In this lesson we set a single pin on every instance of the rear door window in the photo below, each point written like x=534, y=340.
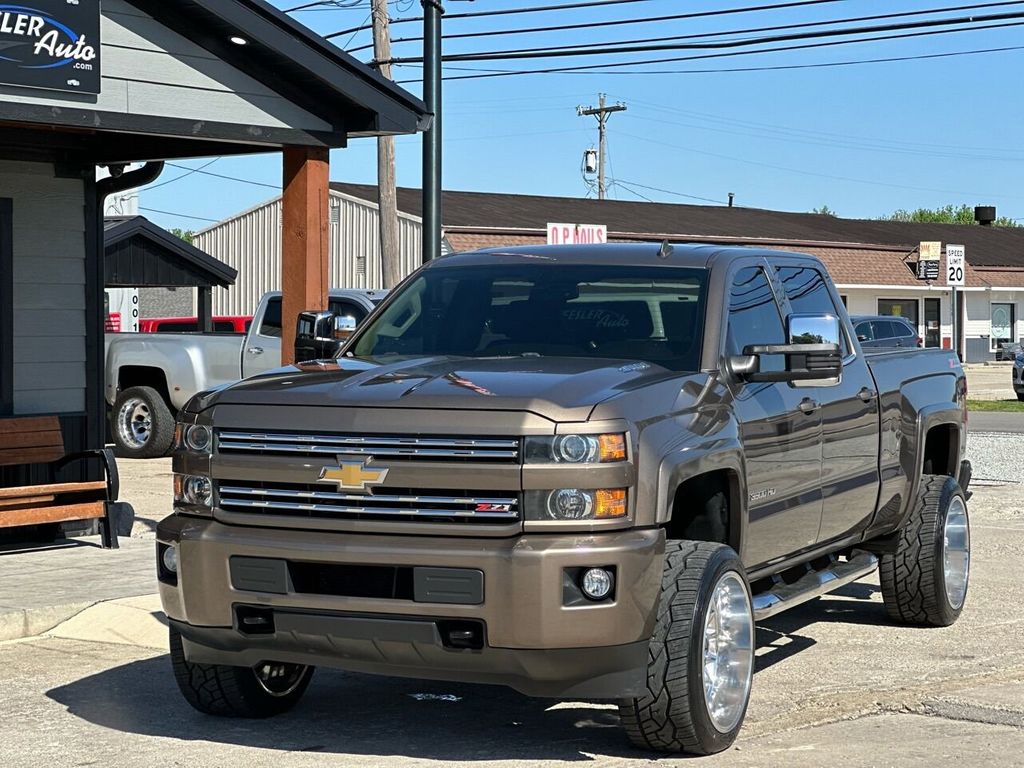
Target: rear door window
x=808, y=294
x=883, y=329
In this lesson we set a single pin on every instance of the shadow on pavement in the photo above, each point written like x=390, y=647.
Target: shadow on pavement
x=360, y=715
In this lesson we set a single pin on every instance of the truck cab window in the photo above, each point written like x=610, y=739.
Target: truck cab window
x=754, y=316
x=271, y=325
x=808, y=294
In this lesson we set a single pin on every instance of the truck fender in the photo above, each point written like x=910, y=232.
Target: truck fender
x=912, y=450
x=690, y=461
x=161, y=359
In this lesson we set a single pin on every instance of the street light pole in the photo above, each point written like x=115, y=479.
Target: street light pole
x=432, y=12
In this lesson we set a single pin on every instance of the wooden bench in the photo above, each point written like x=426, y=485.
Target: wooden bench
x=38, y=440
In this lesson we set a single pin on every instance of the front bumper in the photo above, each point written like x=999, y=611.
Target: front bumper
x=535, y=640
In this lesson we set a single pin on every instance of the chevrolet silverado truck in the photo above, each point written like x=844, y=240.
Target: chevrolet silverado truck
x=578, y=471
x=149, y=376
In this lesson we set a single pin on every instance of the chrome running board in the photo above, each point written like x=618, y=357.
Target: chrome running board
x=783, y=596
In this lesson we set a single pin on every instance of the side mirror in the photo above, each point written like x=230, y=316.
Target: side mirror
x=812, y=354
x=319, y=335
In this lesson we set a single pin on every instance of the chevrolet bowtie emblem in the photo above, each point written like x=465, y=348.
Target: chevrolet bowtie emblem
x=352, y=476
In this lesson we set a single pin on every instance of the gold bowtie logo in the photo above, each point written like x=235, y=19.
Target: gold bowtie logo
x=352, y=476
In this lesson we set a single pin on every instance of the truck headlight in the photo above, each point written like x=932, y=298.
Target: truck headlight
x=193, y=490
x=569, y=504
x=197, y=438
x=576, y=449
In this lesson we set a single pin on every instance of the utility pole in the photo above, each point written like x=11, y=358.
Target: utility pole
x=387, y=203
x=601, y=112
x=432, y=12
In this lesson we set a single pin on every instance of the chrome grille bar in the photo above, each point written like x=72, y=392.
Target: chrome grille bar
x=261, y=500
x=385, y=446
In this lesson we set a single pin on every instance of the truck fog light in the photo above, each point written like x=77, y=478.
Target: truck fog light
x=570, y=504
x=170, y=559
x=596, y=583
x=198, y=437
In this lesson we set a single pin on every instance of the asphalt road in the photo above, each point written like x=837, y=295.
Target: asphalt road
x=991, y=421
x=836, y=684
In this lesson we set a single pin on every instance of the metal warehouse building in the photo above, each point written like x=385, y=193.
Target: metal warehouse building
x=871, y=261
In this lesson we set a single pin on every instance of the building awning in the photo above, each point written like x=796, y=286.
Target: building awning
x=139, y=254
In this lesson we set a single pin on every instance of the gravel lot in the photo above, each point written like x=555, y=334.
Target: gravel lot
x=995, y=456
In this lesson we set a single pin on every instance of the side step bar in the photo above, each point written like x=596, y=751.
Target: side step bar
x=783, y=596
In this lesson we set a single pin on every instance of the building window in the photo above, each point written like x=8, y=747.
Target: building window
x=905, y=308
x=1002, y=325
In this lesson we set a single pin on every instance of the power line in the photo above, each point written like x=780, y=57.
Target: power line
x=628, y=184
x=178, y=215
x=182, y=176
x=535, y=9
x=759, y=163
x=675, y=17
x=592, y=68
x=607, y=49
x=227, y=178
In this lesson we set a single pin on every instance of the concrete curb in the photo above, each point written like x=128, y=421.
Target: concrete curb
x=137, y=621
x=29, y=622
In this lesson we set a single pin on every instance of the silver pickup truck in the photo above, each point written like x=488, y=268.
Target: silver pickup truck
x=151, y=375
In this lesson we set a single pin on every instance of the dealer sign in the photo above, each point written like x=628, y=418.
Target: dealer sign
x=51, y=44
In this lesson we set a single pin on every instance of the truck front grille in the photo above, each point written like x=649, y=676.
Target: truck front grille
x=397, y=504
x=395, y=448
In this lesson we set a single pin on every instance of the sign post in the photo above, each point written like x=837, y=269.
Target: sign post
x=956, y=272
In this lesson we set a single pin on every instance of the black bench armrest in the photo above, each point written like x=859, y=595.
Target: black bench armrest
x=109, y=465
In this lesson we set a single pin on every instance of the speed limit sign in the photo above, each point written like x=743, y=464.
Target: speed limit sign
x=956, y=264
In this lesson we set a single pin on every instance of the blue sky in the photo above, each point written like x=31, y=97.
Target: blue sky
x=864, y=140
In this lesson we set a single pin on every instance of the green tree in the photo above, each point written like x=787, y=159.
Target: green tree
x=824, y=211
x=947, y=214
x=185, y=234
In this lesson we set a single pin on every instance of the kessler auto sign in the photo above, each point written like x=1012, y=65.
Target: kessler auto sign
x=51, y=44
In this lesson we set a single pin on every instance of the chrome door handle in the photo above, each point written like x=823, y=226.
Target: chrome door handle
x=255, y=350
x=866, y=394
x=809, y=406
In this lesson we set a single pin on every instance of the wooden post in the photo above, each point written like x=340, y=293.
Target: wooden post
x=304, y=239
x=204, y=308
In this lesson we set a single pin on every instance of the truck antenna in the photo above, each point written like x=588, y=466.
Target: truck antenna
x=666, y=250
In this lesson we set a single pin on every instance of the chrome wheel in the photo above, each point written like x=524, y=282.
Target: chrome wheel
x=134, y=423
x=956, y=552
x=278, y=678
x=728, y=652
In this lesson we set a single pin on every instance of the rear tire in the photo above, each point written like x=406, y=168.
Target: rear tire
x=226, y=691
x=1020, y=396
x=704, y=637
x=925, y=581
x=141, y=424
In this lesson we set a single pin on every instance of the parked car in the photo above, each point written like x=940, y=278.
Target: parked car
x=221, y=324
x=885, y=332
x=580, y=471
x=149, y=376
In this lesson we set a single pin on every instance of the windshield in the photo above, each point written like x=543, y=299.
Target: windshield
x=654, y=314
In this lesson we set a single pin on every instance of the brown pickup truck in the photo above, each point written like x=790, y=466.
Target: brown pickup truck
x=576, y=471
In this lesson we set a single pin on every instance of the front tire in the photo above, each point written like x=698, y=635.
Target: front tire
x=268, y=689
x=141, y=424
x=701, y=658
x=925, y=581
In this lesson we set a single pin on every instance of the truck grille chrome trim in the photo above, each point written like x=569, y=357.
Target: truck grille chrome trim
x=342, y=505
x=506, y=449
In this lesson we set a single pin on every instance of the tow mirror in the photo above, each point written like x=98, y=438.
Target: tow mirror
x=320, y=335
x=812, y=354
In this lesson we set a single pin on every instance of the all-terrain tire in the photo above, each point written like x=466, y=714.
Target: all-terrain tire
x=671, y=716
x=155, y=424
x=226, y=691
x=913, y=578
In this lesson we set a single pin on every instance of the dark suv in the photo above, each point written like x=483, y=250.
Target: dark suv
x=885, y=332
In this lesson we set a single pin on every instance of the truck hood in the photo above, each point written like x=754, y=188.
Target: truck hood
x=558, y=388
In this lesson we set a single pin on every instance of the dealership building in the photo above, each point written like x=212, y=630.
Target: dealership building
x=874, y=263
